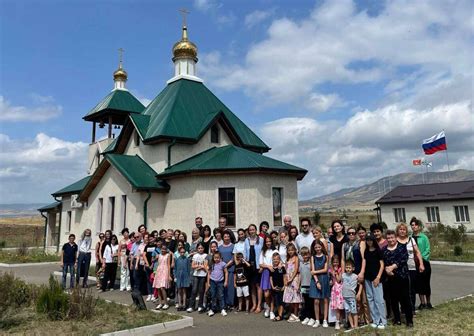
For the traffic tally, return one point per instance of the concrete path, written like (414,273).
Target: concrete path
(448,282)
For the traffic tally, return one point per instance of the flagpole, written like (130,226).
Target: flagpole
(447,156)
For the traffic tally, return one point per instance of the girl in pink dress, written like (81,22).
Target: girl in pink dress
(163,276)
(292,294)
(337,301)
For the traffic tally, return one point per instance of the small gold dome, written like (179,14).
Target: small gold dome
(120,74)
(185,48)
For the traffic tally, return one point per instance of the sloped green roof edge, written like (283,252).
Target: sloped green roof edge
(111,146)
(230,158)
(117,100)
(184,109)
(141,123)
(50,206)
(74,188)
(140,175)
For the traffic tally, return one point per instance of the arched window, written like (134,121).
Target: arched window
(215,134)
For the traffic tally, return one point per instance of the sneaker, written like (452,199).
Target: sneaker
(223,312)
(272,316)
(148,299)
(190,310)
(337,326)
(293,318)
(211,313)
(429,306)
(311,322)
(373,325)
(381,327)
(129,289)
(122,289)
(200,309)
(165,306)
(305,321)
(159,307)
(325,324)
(154,299)
(422,306)
(266,313)
(316,324)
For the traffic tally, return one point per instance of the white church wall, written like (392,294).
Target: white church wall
(180,152)
(157,155)
(194,196)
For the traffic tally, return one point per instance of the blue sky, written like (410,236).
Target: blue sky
(345,89)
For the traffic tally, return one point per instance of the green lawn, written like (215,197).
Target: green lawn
(451,318)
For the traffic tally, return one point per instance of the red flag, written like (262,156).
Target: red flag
(417,162)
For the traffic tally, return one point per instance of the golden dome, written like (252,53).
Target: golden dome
(120,74)
(185,48)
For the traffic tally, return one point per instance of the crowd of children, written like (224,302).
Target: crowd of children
(346,279)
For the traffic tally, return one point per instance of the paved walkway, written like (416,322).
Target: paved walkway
(448,282)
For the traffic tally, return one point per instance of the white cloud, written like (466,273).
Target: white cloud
(30,169)
(206,5)
(338,44)
(371,144)
(318,102)
(43,109)
(254,18)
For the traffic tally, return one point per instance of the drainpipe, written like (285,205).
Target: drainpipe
(60,220)
(45,228)
(169,151)
(145,209)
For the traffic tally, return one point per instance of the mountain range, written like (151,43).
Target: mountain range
(364,197)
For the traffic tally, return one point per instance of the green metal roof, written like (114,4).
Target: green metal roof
(230,158)
(185,109)
(50,206)
(121,101)
(74,188)
(111,146)
(140,175)
(141,123)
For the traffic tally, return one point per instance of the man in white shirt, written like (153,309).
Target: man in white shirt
(305,238)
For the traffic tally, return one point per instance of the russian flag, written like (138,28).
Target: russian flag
(435,144)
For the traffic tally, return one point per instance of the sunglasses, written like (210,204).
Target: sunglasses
(351,233)
(304,225)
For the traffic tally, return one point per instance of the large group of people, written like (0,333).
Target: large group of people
(343,277)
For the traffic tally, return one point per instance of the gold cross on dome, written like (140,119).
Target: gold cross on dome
(184,12)
(120,50)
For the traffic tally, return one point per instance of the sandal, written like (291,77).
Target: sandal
(277,318)
(257,311)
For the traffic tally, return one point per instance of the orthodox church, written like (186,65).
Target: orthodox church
(184,155)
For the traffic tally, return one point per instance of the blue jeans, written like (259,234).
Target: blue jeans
(67,266)
(376,302)
(229,292)
(86,259)
(217,295)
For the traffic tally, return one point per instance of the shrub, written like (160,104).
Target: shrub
(3,243)
(52,301)
(82,304)
(22,250)
(14,293)
(457,250)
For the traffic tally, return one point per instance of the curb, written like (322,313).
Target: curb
(452,263)
(29,264)
(155,329)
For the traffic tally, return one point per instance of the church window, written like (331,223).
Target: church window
(98,222)
(111,212)
(215,134)
(69,221)
(227,205)
(277,195)
(124,211)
